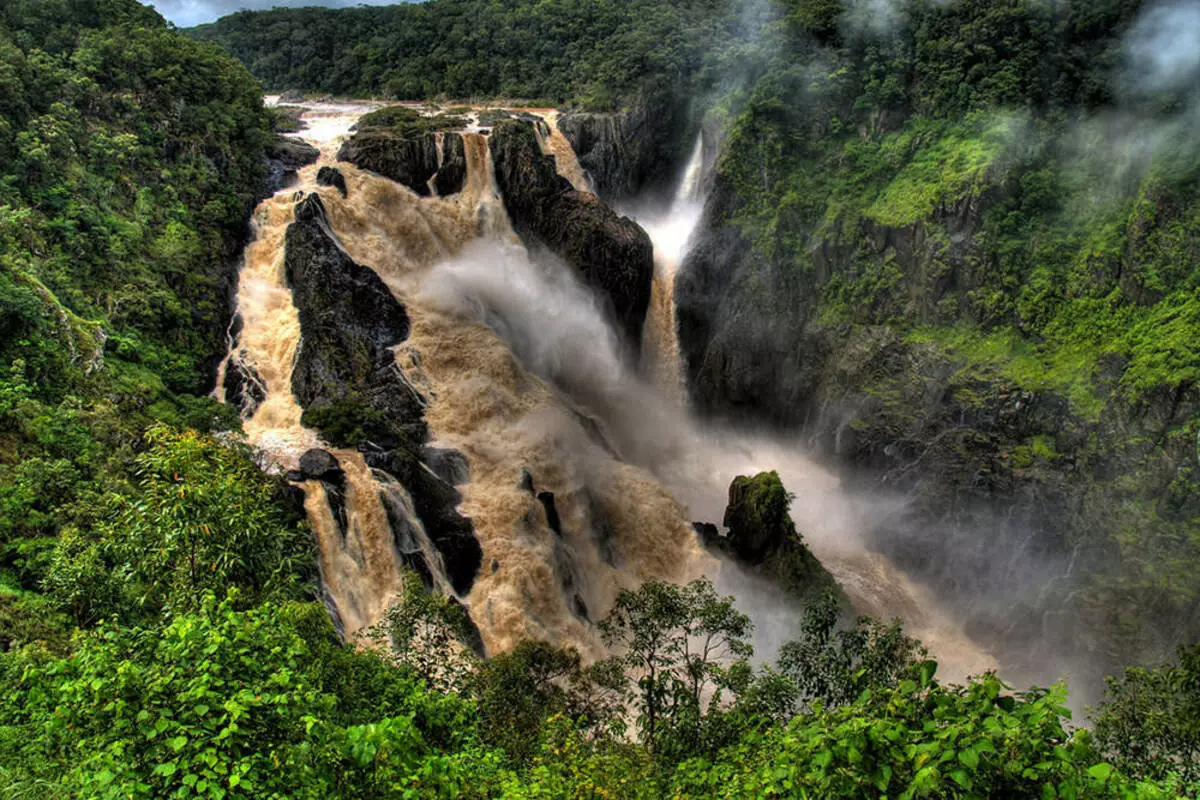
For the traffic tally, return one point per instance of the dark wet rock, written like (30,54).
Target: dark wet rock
(452,173)
(630,152)
(345,375)
(525,484)
(435,502)
(609,252)
(332,176)
(285,156)
(244,388)
(449,465)
(296,475)
(579,607)
(552,518)
(293,153)
(495,566)
(410,159)
(710,535)
(347,380)
(321,465)
(763,537)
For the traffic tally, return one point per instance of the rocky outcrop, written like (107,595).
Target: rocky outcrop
(763,537)
(332,176)
(610,253)
(347,380)
(410,158)
(286,156)
(630,152)
(243,386)
(345,367)
(452,173)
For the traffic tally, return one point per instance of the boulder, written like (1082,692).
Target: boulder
(410,159)
(321,465)
(332,176)
(292,96)
(285,157)
(610,253)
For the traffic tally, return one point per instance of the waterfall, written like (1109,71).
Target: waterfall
(585,473)
(670,233)
(689,187)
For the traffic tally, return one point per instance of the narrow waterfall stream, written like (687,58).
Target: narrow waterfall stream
(523,376)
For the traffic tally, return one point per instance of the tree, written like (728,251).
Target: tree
(1149,722)
(834,666)
(680,643)
(520,691)
(205,518)
(430,634)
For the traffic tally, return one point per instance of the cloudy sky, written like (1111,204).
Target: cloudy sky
(186,13)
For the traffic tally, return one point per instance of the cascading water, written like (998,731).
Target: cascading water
(583,475)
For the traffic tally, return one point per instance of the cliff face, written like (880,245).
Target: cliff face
(412,159)
(913,344)
(609,252)
(629,152)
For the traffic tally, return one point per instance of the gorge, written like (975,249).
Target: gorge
(641,399)
(521,377)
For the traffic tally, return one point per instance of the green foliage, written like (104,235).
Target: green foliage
(429,633)
(205,518)
(834,667)
(130,158)
(404,121)
(678,642)
(520,691)
(598,52)
(920,739)
(1149,723)
(220,703)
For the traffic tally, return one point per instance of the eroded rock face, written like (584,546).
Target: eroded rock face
(344,364)
(627,152)
(610,253)
(410,159)
(347,380)
(453,172)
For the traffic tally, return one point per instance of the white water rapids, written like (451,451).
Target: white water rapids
(522,372)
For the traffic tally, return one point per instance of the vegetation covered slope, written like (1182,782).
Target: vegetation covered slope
(957,244)
(130,158)
(599,52)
